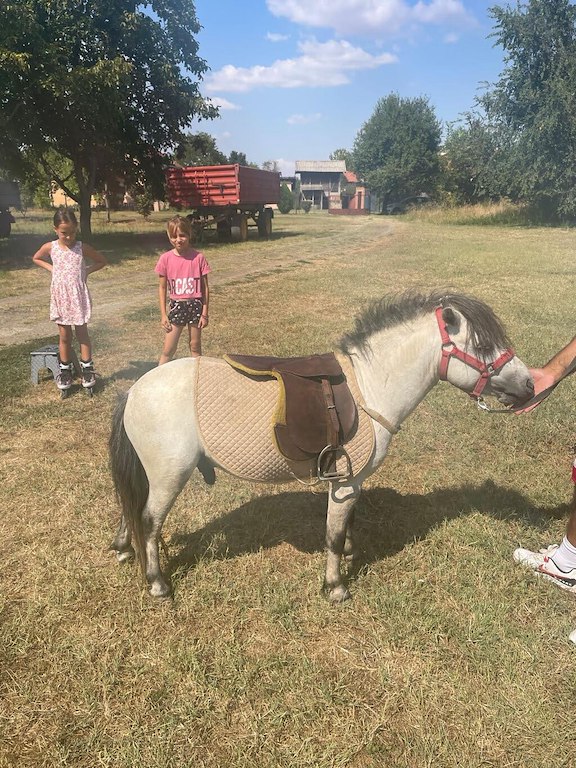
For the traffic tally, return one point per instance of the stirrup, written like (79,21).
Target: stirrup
(327,475)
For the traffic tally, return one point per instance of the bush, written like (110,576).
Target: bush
(144,203)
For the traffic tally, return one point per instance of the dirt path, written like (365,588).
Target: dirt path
(24,312)
(24,317)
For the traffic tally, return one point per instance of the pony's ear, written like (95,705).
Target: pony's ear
(451,318)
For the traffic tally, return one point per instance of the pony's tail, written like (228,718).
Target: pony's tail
(130,481)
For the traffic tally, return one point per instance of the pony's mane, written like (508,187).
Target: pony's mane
(485,331)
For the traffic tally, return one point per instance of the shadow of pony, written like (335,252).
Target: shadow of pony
(385,522)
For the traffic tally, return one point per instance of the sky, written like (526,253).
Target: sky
(297,79)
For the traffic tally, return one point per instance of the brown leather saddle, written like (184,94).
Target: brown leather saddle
(315,411)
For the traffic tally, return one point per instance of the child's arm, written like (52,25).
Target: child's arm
(162,285)
(41,256)
(98,260)
(203,322)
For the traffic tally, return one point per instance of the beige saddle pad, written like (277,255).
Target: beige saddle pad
(235,415)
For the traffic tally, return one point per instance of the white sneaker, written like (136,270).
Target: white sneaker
(542,563)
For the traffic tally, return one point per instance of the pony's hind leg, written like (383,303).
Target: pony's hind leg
(160,501)
(338,538)
(122,543)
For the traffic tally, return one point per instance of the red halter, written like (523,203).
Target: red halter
(486,370)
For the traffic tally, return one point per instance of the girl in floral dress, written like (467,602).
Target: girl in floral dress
(70,303)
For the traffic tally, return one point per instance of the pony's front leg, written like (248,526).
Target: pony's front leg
(338,538)
(349,548)
(122,544)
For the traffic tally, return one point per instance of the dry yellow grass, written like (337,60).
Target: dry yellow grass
(448,655)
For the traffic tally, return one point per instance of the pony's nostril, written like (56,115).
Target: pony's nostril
(530,385)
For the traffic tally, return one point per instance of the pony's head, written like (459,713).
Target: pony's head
(473,348)
(476,354)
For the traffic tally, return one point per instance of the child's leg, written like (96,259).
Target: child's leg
(65,343)
(195,340)
(170,344)
(86,364)
(85,343)
(64,378)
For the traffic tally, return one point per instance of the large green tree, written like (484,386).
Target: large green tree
(535,98)
(109,85)
(477,161)
(396,150)
(343,154)
(200,149)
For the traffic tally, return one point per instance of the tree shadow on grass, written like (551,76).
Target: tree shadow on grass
(16,252)
(385,522)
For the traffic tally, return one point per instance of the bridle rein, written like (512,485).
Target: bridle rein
(486,370)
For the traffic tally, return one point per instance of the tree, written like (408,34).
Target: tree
(200,149)
(396,150)
(237,157)
(535,99)
(286,199)
(271,165)
(343,154)
(477,161)
(103,84)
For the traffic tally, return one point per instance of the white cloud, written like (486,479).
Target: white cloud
(304,119)
(320,64)
(286,167)
(372,18)
(274,37)
(451,38)
(223,104)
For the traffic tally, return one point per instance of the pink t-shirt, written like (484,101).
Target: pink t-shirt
(183,273)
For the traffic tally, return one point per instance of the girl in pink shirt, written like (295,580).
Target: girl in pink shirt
(183,274)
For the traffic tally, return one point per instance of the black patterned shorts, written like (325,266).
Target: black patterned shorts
(185,312)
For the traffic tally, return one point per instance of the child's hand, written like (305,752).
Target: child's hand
(203,321)
(166,324)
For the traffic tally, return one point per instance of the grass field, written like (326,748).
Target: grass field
(447,655)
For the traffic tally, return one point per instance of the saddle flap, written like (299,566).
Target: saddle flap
(307,426)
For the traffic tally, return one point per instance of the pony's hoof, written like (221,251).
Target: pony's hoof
(125,556)
(160,590)
(338,594)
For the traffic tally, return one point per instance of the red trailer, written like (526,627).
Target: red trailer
(225,196)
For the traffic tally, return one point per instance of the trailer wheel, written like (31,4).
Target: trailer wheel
(240,227)
(224,231)
(265,222)
(5,224)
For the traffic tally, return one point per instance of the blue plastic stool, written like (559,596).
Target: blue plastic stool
(47,357)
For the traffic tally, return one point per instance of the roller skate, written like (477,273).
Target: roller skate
(88,376)
(64,379)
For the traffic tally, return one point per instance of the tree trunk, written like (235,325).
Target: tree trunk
(85,217)
(86,187)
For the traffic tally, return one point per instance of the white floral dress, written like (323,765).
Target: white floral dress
(70,302)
